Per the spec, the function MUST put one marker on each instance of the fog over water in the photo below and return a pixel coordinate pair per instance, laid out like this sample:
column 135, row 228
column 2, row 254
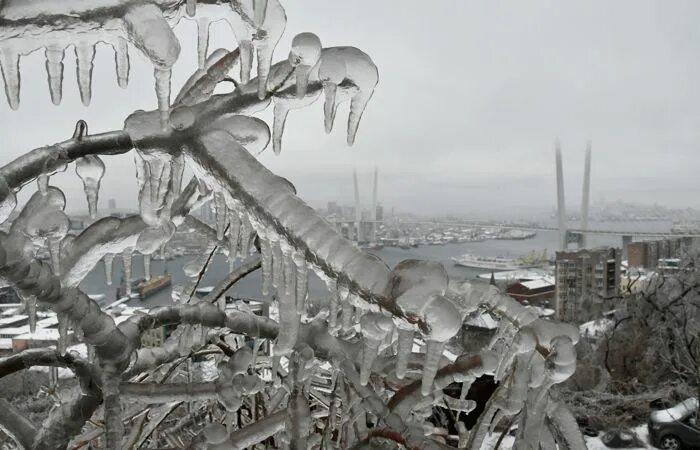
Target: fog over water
column 471, row 98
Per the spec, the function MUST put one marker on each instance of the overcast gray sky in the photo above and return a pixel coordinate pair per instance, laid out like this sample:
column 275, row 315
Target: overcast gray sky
column 471, row 97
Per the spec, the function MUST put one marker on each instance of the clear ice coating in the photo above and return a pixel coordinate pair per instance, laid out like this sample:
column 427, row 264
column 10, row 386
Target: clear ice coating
column 305, row 53
column 91, row 169
column 257, row 36
column 528, row 356
column 347, row 74
column 375, row 328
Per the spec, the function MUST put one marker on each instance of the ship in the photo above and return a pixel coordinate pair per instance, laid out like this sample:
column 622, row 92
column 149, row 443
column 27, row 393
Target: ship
column 146, row 288
column 500, row 262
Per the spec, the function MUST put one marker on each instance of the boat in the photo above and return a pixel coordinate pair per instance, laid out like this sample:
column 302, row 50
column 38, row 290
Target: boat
column 500, row 262
column 146, row 288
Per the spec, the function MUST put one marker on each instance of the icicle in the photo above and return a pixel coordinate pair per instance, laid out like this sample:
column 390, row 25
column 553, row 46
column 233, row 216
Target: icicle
column 85, row 54
column 91, row 169
column 147, row 267
column 126, row 261
column 290, row 276
column 42, row 182
column 30, row 304
column 63, row 325
column 246, row 230
column 54, row 69
column 221, row 213
column 53, row 377
column 347, row 315
column 305, row 53
column 347, row 73
column 246, row 55
column 280, row 117
column 302, row 282
column 404, row 350
column 91, row 353
column 191, row 7
column 121, row 61
column 9, row 63
column 289, row 322
column 162, row 77
column 108, row 262
column 375, row 328
column 266, row 256
column 260, row 8
column 433, row 353
column 277, row 265
column 334, row 299
column 202, row 40
column 233, row 234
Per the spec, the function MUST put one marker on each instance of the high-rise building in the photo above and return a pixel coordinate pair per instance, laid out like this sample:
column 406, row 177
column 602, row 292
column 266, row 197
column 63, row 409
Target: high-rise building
column 584, row 279
column 646, row 254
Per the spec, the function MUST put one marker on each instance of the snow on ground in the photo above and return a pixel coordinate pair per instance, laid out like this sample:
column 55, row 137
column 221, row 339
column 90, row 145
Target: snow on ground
column 593, row 443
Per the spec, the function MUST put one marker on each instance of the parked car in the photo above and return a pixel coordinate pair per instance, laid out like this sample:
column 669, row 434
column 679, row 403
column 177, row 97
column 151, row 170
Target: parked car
column 675, row 428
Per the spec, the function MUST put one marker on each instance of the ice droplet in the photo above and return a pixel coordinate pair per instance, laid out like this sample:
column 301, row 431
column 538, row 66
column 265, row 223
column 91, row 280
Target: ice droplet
column 109, row 264
column 9, row 63
column 305, row 53
column 85, row 54
column 54, row 68
column 347, row 73
column 91, row 169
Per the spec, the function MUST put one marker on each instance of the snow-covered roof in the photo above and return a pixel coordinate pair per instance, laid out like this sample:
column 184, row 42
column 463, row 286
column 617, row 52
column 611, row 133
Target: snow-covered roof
column 9, row 320
column 520, row 274
column 676, row 413
column 538, row 283
column 41, row 334
column 483, row 321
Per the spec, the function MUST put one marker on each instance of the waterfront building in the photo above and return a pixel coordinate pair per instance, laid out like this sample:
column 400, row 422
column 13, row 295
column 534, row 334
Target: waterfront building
column 646, row 254
column 584, row 280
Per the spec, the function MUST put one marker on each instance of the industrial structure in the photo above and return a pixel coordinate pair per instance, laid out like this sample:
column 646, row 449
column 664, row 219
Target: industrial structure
column 566, row 236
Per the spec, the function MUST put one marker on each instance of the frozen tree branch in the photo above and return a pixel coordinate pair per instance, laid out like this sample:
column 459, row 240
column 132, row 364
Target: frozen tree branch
column 16, row 425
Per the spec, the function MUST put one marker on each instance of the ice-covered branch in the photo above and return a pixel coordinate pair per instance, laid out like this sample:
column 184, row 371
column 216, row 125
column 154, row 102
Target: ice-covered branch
column 86, row 373
column 16, row 425
column 236, row 275
column 36, row 279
